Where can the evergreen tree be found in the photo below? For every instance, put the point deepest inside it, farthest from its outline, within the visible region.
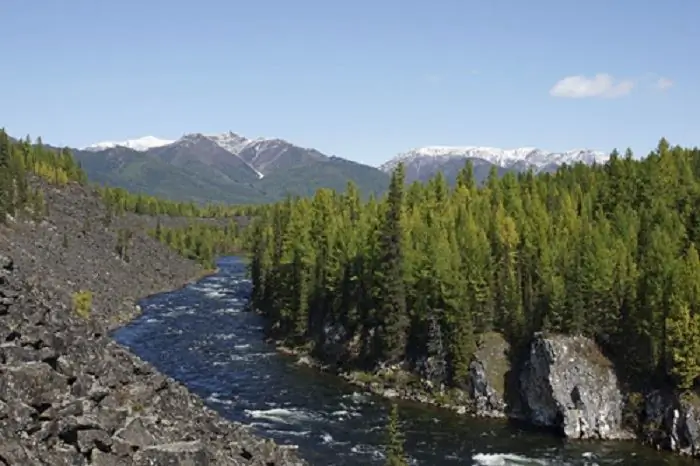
(417, 275)
(394, 440)
(391, 294)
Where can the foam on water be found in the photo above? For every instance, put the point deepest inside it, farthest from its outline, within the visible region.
(283, 416)
(508, 459)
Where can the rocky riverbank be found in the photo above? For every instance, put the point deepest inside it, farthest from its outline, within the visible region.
(562, 383)
(68, 393)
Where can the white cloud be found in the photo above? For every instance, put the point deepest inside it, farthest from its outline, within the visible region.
(601, 85)
(663, 83)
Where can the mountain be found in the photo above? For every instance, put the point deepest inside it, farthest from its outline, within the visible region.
(223, 167)
(422, 163)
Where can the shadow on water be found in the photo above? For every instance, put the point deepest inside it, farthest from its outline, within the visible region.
(201, 336)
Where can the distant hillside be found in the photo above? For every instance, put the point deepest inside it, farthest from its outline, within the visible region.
(223, 168)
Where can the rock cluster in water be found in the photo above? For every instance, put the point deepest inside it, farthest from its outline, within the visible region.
(566, 383)
(69, 395)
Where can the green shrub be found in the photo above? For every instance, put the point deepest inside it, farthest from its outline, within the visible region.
(82, 303)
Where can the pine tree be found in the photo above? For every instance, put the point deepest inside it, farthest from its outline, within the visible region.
(391, 296)
(394, 440)
(609, 251)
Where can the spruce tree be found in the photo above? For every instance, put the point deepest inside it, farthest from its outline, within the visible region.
(391, 294)
(394, 440)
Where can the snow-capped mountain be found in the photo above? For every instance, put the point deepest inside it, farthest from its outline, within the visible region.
(223, 167)
(230, 141)
(139, 144)
(261, 154)
(423, 163)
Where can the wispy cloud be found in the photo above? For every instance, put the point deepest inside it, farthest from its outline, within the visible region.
(601, 85)
(664, 83)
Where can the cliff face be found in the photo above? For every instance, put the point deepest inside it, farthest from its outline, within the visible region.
(566, 383)
(68, 393)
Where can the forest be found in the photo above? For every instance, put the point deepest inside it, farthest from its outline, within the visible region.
(17, 160)
(606, 251)
(121, 201)
(202, 242)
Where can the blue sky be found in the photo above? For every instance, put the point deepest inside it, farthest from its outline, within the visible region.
(362, 79)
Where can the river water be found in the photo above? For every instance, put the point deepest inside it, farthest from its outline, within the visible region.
(201, 336)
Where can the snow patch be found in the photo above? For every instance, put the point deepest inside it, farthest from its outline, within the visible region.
(139, 144)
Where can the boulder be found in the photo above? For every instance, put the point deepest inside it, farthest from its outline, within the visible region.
(566, 383)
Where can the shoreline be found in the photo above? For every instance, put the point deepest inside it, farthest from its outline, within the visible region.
(123, 320)
(381, 385)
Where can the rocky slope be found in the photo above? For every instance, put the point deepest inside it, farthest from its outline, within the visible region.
(68, 393)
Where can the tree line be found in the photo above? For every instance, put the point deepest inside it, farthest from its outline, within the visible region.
(607, 251)
(121, 201)
(202, 242)
(18, 158)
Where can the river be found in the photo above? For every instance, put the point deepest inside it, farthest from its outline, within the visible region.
(201, 336)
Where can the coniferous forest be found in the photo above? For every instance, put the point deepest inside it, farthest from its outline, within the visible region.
(17, 159)
(201, 242)
(606, 251)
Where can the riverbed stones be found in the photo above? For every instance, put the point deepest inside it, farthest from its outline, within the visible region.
(69, 395)
(567, 384)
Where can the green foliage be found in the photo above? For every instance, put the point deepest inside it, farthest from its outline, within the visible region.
(202, 242)
(82, 303)
(17, 158)
(607, 251)
(394, 440)
(120, 201)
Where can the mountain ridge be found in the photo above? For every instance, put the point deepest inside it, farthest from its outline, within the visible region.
(424, 162)
(230, 167)
(223, 167)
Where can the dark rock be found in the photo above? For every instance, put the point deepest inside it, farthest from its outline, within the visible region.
(672, 421)
(179, 453)
(33, 383)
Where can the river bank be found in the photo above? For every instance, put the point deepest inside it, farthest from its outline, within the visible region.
(565, 386)
(91, 401)
(202, 336)
(390, 383)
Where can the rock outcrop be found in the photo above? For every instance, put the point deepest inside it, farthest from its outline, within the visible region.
(69, 395)
(672, 422)
(488, 372)
(567, 384)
